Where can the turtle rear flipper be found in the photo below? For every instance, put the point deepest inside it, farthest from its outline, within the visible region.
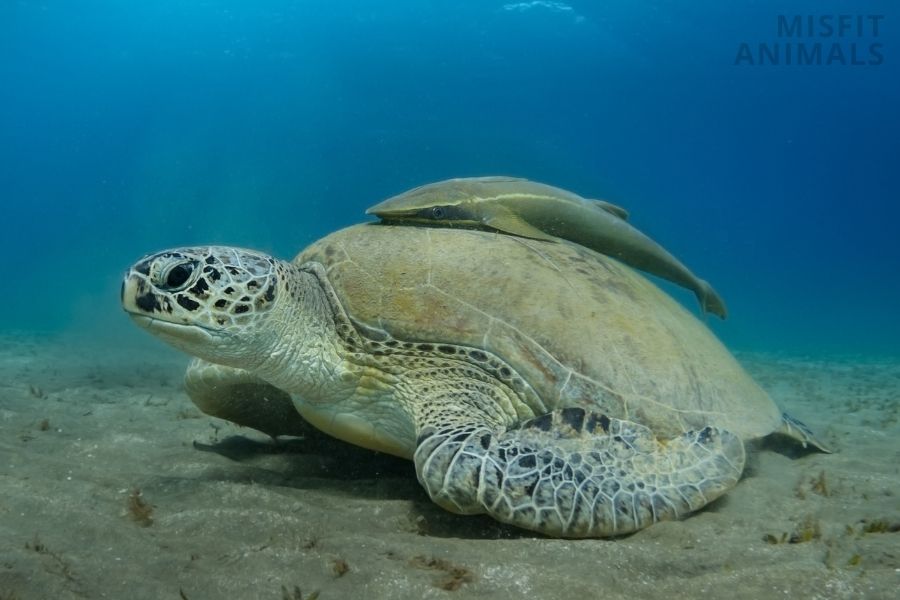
(572, 473)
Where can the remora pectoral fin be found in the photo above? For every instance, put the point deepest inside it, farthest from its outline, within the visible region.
(509, 222)
(611, 208)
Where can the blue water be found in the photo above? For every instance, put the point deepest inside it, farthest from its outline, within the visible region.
(127, 127)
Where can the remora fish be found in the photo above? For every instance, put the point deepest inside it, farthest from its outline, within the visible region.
(535, 210)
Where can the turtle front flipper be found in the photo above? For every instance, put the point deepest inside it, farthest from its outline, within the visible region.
(237, 396)
(573, 473)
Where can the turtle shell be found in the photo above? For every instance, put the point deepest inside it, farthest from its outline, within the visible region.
(581, 328)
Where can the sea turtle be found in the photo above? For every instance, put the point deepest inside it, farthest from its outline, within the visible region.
(544, 384)
(543, 212)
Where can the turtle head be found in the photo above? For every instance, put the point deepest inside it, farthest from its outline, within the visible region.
(207, 301)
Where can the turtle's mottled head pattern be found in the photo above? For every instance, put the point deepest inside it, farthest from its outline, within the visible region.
(204, 296)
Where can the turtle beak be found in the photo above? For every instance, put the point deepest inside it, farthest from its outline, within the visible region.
(138, 296)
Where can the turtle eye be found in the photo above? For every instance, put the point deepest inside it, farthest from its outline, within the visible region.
(437, 212)
(177, 277)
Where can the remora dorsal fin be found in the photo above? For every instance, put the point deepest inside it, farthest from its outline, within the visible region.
(611, 208)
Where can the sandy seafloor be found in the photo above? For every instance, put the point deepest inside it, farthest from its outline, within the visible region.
(84, 426)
